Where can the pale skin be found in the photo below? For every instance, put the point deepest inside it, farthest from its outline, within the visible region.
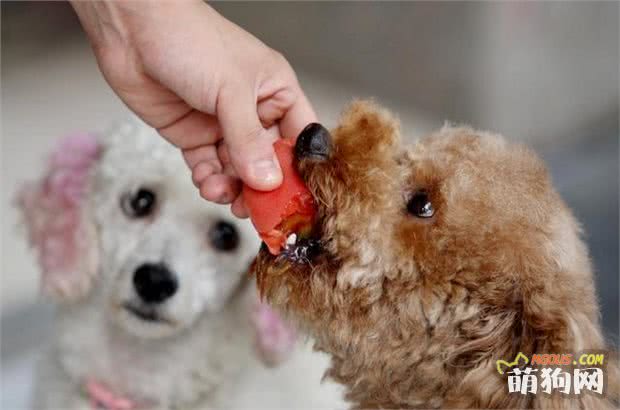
(209, 87)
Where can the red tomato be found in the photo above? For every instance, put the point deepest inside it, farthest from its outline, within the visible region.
(287, 209)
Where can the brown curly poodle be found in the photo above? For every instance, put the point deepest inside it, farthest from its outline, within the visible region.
(435, 260)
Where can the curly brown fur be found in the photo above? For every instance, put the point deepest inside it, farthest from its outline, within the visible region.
(415, 312)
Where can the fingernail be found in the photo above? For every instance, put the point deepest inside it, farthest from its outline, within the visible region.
(265, 171)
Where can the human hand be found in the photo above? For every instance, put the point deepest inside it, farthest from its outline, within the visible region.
(209, 87)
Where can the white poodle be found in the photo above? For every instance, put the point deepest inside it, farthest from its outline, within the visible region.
(155, 306)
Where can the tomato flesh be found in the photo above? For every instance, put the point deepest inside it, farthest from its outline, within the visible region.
(287, 209)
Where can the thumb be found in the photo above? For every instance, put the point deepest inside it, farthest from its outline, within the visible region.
(250, 146)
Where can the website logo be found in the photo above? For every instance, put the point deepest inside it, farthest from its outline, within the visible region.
(566, 373)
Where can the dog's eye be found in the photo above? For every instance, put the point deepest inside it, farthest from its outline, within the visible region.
(224, 236)
(420, 205)
(140, 204)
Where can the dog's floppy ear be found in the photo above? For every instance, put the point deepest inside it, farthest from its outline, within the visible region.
(275, 339)
(59, 227)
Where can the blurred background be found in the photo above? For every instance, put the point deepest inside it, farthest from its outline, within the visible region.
(544, 73)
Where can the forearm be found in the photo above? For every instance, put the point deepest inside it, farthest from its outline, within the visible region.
(112, 21)
(102, 20)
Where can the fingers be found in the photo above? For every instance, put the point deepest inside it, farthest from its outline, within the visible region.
(213, 166)
(193, 130)
(295, 116)
(282, 101)
(203, 162)
(238, 143)
(212, 173)
(203, 153)
(249, 145)
(224, 156)
(220, 188)
(272, 107)
(238, 208)
(203, 170)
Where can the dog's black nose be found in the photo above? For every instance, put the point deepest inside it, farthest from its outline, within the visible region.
(154, 283)
(313, 142)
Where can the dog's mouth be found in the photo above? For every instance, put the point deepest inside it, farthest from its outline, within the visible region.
(303, 240)
(302, 228)
(301, 249)
(146, 313)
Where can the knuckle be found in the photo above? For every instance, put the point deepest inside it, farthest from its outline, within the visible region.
(282, 66)
(278, 58)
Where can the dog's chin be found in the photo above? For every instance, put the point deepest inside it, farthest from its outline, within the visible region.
(295, 263)
(293, 258)
(145, 322)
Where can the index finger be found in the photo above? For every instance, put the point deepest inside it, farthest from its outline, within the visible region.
(298, 116)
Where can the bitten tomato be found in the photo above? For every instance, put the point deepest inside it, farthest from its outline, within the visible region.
(286, 210)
